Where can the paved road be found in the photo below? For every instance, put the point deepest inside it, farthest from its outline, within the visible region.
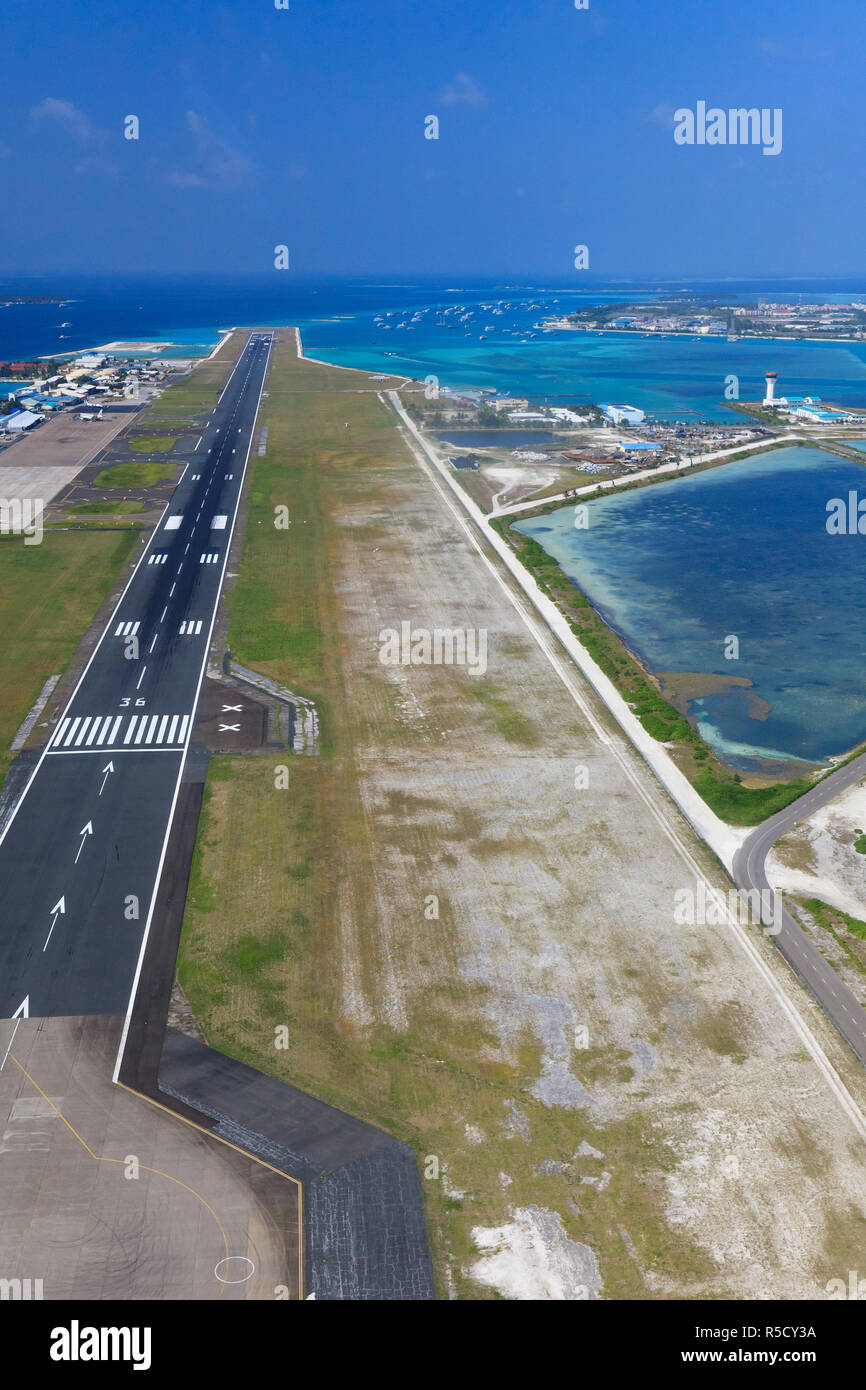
(81, 856)
(749, 872)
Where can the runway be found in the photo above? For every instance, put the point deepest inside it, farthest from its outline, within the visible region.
(81, 856)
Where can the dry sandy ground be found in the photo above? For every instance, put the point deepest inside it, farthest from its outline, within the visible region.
(557, 957)
(818, 859)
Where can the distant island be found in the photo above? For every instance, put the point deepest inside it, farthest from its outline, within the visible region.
(7, 299)
(705, 315)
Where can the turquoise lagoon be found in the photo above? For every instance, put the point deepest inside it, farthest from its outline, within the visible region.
(741, 550)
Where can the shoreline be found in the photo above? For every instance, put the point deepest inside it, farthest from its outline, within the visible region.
(698, 337)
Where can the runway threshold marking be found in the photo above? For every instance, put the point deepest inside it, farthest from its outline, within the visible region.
(173, 731)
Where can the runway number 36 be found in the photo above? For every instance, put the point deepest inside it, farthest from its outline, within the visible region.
(126, 702)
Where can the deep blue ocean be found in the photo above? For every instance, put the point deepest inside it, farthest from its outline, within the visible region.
(671, 377)
(742, 551)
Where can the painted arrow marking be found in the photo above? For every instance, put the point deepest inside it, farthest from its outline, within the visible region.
(108, 771)
(88, 830)
(59, 910)
(23, 1011)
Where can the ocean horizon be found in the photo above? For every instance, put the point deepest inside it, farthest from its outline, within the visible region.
(671, 377)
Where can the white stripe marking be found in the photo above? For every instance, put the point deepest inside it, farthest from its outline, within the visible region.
(71, 734)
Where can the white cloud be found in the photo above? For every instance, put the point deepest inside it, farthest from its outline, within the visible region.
(75, 121)
(97, 166)
(462, 90)
(221, 165)
(663, 114)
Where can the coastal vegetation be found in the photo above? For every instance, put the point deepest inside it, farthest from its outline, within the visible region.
(841, 926)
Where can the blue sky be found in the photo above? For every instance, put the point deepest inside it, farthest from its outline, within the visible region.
(306, 127)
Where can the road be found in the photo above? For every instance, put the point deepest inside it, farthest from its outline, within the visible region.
(749, 872)
(81, 857)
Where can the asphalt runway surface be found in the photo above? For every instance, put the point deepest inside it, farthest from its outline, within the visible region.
(81, 856)
(749, 872)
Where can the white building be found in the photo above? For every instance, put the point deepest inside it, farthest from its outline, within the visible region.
(20, 420)
(629, 413)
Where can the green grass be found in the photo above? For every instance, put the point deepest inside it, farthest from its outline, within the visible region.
(135, 474)
(152, 443)
(119, 508)
(825, 915)
(512, 723)
(49, 595)
(739, 805)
